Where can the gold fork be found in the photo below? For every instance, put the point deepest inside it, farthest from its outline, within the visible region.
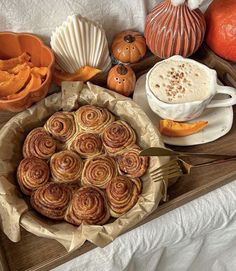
(159, 151)
(178, 167)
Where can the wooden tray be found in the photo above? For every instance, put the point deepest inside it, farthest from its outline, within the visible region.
(34, 253)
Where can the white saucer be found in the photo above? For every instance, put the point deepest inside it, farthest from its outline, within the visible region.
(220, 120)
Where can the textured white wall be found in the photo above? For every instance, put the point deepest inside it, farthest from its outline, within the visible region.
(41, 17)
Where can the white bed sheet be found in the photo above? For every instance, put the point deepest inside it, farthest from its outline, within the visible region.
(200, 235)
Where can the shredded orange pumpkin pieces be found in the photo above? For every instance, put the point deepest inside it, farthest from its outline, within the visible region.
(12, 62)
(35, 82)
(5, 76)
(15, 83)
(177, 129)
(83, 74)
(42, 71)
(18, 76)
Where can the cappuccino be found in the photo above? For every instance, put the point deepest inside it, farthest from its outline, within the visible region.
(176, 81)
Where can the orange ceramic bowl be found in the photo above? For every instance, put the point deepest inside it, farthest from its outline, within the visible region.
(13, 45)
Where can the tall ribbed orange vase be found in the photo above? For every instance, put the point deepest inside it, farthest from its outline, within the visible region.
(174, 30)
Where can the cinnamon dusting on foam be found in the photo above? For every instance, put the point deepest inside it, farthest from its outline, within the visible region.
(179, 82)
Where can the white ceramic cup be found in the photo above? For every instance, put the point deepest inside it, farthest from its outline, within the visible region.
(190, 110)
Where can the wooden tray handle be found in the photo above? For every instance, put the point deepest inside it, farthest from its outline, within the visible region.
(3, 262)
(226, 72)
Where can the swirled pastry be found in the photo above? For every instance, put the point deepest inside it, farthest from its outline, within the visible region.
(32, 173)
(39, 143)
(93, 118)
(131, 163)
(66, 167)
(87, 145)
(122, 194)
(88, 206)
(98, 171)
(61, 125)
(51, 200)
(118, 136)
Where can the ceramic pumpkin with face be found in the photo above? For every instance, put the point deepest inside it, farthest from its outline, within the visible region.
(221, 28)
(128, 47)
(121, 79)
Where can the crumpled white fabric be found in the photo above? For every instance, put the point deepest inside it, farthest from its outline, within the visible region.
(42, 17)
(200, 235)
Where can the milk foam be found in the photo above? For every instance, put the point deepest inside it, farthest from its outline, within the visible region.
(176, 81)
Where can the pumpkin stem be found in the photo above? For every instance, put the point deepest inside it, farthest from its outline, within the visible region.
(121, 69)
(129, 38)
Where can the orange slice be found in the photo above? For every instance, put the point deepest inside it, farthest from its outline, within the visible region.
(42, 71)
(12, 62)
(15, 83)
(83, 74)
(35, 82)
(177, 129)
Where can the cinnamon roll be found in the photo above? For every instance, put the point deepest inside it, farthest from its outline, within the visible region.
(32, 173)
(61, 126)
(98, 171)
(88, 206)
(93, 118)
(51, 200)
(87, 145)
(131, 163)
(122, 194)
(66, 167)
(39, 143)
(118, 136)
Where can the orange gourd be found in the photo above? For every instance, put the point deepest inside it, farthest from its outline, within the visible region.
(179, 129)
(121, 79)
(128, 47)
(83, 74)
(12, 62)
(15, 83)
(221, 28)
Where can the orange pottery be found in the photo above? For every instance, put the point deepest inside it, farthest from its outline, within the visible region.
(128, 46)
(121, 79)
(14, 45)
(174, 30)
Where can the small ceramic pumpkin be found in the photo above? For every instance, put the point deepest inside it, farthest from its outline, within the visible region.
(121, 79)
(128, 46)
(174, 30)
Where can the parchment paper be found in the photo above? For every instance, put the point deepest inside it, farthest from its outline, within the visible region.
(14, 209)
